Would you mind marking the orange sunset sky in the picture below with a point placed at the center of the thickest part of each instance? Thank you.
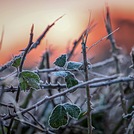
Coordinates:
(17, 16)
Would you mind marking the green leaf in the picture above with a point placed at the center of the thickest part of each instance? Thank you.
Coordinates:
(17, 61)
(71, 81)
(58, 117)
(61, 61)
(74, 65)
(61, 73)
(29, 79)
(73, 110)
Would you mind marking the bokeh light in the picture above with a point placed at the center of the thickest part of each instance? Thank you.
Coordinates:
(18, 16)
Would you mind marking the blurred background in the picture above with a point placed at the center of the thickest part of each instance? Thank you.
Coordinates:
(16, 17)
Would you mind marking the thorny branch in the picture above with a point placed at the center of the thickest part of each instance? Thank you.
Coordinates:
(88, 93)
(30, 124)
(23, 58)
(34, 45)
(59, 85)
(76, 42)
(27, 49)
(105, 37)
(20, 70)
(115, 56)
(48, 98)
(49, 70)
(115, 51)
(88, 84)
(92, 83)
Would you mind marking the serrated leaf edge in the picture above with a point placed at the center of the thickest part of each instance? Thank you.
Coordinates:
(69, 114)
(51, 114)
(58, 59)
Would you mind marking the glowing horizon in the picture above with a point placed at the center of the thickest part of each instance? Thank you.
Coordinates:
(18, 16)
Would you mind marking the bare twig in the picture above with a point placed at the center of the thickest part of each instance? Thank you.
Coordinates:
(96, 65)
(48, 70)
(34, 45)
(23, 58)
(109, 31)
(85, 64)
(27, 49)
(7, 76)
(75, 44)
(11, 106)
(9, 63)
(114, 50)
(42, 126)
(105, 37)
(20, 70)
(58, 85)
(46, 98)
(30, 124)
(92, 83)
(93, 66)
(25, 111)
(48, 76)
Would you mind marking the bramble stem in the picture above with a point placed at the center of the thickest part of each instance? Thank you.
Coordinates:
(85, 65)
(115, 51)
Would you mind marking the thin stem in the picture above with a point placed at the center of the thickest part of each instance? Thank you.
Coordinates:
(23, 58)
(97, 82)
(27, 49)
(30, 124)
(105, 37)
(46, 98)
(89, 109)
(48, 76)
(20, 70)
(34, 45)
(42, 126)
(76, 42)
(115, 49)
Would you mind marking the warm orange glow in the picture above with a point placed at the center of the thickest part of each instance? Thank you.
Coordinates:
(18, 16)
